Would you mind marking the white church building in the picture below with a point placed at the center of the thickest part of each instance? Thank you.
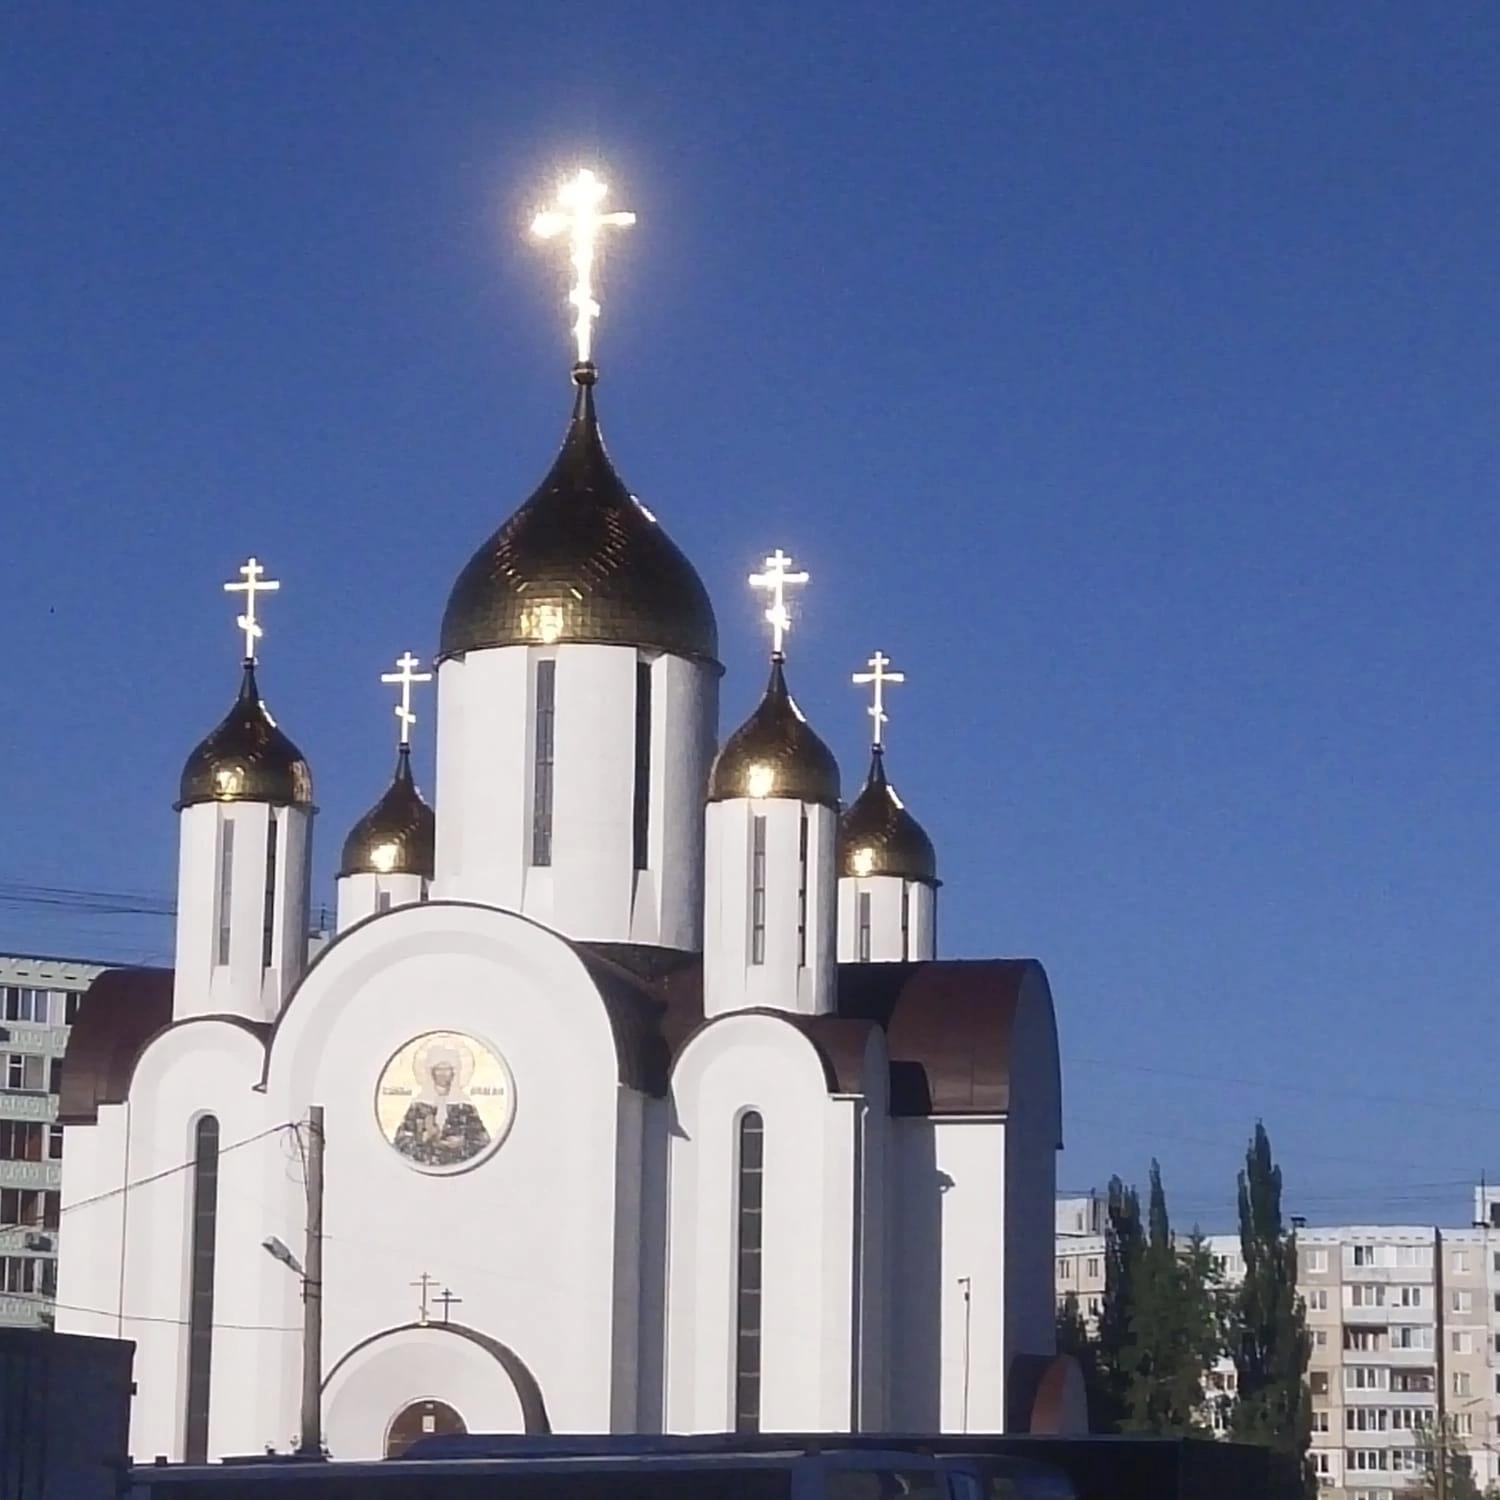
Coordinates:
(648, 1103)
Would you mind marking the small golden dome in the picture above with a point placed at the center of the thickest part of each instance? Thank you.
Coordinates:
(775, 753)
(877, 836)
(396, 836)
(246, 759)
(581, 560)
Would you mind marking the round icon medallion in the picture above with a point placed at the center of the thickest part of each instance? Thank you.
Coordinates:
(445, 1100)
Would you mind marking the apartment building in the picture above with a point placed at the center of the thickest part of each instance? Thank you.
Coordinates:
(39, 1000)
(1405, 1323)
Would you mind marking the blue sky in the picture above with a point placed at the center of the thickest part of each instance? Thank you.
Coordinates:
(1127, 373)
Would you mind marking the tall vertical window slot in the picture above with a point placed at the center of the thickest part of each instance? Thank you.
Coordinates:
(748, 1238)
(757, 889)
(226, 887)
(802, 892)
(201, 1288)
(863, 906)
(542, 767)
(642, 824)
(268, 921)
(906, 919)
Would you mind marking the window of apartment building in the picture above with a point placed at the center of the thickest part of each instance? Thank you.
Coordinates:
(1096, 1306)
(1411, 1418)
(1368, 1495)
(1320, 1421)
(1461, 1302)
(1093, 1269)
(1496, 1262)
(1366, 1378)
(1414, 1255)
(1362, 1255)
(1497, 1302)
(1412, 1380)
(20, 1273)
(1366, 1418)
(55, 1142)
(1364, 1340)
(1407, 1296)
(1314, 1260)
(1064, 1270)
(22, 1003)
(26, 1072)
(1368, 1460)
(1317, 1299)
(28, 1208)
(20, 1140)
(1320, 1338)
(1406, 1461)
(1364, 1294)
(1458, 1262)
(1461, 1341)
(72, 999)
(1408, 1336)
(1322, 1462)
(1462, 1383)
(1317, 1382)
(1463, 1423)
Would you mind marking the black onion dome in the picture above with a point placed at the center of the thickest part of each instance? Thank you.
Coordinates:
(247, 759)
(581, 560)
(775, 753)
(396, 836)
(877, 836)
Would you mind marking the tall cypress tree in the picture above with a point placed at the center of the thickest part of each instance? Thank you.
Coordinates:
(1270, 1343)
(1174, 1334)
(1124, 1244)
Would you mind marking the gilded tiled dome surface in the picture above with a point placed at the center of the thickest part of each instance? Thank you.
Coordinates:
(775, 753)
(877, 836)
(397, 835)
(581, 560)
(246, 759)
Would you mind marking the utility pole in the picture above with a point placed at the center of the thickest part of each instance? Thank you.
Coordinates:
(311, 1445)
(1440, 1437)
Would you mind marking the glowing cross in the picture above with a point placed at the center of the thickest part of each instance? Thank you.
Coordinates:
(775, 579)
(405, 677)
(879, 677)
(255, 583)
(578, 214)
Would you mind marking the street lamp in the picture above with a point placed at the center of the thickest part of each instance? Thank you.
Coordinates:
(278, 1250)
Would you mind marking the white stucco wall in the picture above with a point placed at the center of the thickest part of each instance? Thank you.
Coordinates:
(781, 982)
(761, 1062)
(485, 790)
(360, 896)
(525, 1236)
(244, 986)
(886, 935)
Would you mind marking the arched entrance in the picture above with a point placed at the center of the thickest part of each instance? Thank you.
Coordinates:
(421, 1419)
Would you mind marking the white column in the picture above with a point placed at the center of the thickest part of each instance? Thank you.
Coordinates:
(789, 963)
(237, 955)
(886, 919)
(487, 775)
(367, 893)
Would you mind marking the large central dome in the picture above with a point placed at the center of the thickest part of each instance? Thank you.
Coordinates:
(582, 560)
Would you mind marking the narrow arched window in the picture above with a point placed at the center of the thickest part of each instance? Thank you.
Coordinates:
(201, 1287)
(748, 1281)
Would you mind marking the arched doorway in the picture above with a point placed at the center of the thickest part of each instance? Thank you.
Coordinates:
(421, 1419)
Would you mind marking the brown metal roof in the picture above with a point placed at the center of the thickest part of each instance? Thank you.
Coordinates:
(118, 1012)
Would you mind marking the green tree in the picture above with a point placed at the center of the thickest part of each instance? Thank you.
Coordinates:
(1073, 1337)
(1270, 1344)
(1174, 1328)
(1124, 1244)
(1443, 1450)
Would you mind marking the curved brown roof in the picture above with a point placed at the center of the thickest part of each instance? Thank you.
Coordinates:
(119, 1012)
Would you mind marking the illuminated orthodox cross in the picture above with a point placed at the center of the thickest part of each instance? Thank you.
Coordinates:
(578, 216)
(877, 676)
(775, 579)
(254, 583)
(405, 675)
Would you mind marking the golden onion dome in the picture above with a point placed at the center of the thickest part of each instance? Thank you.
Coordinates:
(775, 753)
(877, 836)
(246, 759)
(396, 836)
(581, 560)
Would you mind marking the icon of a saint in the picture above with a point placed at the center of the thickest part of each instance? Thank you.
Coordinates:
(441, 1126)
